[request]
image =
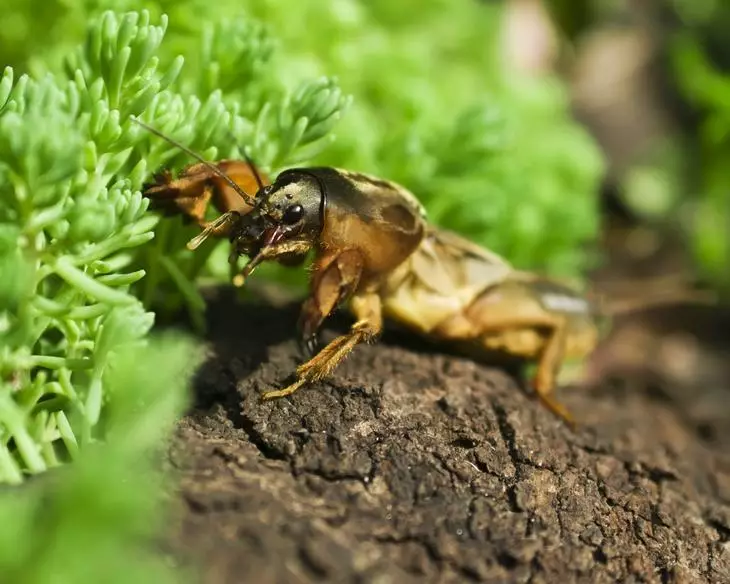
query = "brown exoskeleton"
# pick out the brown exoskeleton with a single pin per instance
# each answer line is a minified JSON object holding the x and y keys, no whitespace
{"x":374,"y":249}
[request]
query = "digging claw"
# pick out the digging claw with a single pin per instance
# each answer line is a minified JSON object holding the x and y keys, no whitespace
{"x":310,"y":345}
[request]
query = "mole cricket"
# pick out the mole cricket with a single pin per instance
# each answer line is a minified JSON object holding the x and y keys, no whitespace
{"x":375,"y":251}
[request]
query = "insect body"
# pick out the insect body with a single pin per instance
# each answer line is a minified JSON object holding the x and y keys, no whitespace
{"x":375,"y":251}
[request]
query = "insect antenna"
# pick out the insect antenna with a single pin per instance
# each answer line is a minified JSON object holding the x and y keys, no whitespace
{"x":248,"y":160}
{"x":209,"y":165}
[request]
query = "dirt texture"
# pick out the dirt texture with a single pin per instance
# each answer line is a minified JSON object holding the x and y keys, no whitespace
{"x":411,"y":465}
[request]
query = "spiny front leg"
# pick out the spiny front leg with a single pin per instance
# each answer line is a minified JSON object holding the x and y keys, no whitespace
{"x":310,"y":320}
{"x":180,"y":197}
{"x":335,"y":277}
{"x":367,"y":309}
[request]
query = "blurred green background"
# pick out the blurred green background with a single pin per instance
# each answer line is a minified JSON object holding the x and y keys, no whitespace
{"x":673,"y":57}
{"x":469,"y":104}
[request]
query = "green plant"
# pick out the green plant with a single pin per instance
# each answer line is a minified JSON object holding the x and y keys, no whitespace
{"x":79,"y":377}
{"x":99,"y":519}
{"x":421,"y":81}
{"x":71,"y":210}
{"x":72,"y":164}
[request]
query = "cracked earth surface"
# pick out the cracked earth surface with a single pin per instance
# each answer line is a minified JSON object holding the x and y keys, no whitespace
{"x":410,"y":465}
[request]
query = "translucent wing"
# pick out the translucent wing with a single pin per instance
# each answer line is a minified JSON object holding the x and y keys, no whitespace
{"x":449,"y":264}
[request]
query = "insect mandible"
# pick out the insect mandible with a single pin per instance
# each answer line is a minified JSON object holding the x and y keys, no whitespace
{"x":375,"y":252}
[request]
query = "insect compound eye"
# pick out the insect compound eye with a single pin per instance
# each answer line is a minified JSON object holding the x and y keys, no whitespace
{"x":292,"y":214}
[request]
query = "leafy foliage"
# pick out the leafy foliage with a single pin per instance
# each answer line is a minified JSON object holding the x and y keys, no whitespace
{"x":73,"y":214}
{"x":80,"y":378}
{"x":96,"y":520}
{"x":71,"y":211}
{"x":434,"y":108}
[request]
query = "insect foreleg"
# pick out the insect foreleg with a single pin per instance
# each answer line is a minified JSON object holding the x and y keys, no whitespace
{"x":334,"y":278}
{"x":335,"y":281}
{"x":368,"y":326}
{"x":182,"y":196}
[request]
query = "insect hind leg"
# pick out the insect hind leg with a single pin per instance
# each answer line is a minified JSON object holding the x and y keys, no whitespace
{"x":488,"y":321}
{"x":547,"y":368}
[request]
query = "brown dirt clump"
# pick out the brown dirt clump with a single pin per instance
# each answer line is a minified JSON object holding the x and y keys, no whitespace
{"x":415,"y":466}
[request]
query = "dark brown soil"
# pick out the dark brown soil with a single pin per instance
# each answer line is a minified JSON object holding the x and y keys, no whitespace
{"x":415,"y":466}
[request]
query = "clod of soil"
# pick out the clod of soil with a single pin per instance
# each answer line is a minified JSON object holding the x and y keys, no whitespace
{"x":415,"y":466}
